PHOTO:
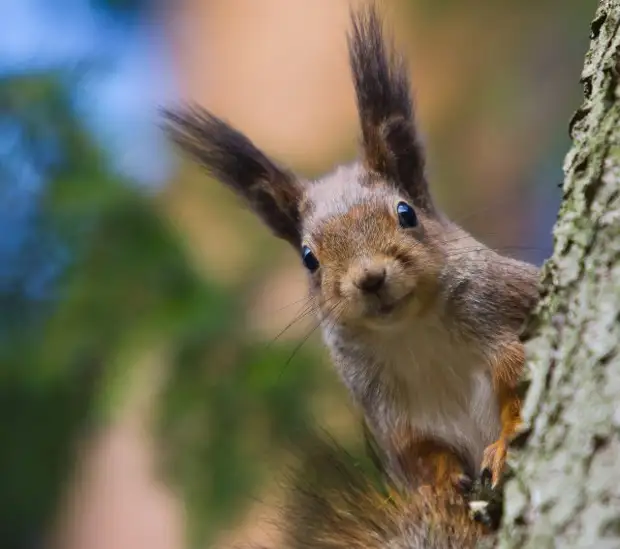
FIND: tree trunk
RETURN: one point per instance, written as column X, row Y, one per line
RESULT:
column 566, row 489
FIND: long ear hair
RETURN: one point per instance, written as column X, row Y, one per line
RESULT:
column 391, row 145
column 271, row 192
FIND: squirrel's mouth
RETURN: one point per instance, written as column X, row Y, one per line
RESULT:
column 388, row 307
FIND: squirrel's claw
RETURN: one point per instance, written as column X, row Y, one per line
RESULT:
column 493, row 462
column 486, row 477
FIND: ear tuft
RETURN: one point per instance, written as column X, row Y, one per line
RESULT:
column 271, row 192
column 390, row 141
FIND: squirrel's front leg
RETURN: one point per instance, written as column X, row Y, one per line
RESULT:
column 495, row 454
column 418, row 458
column 430, row 462
column 505, row 378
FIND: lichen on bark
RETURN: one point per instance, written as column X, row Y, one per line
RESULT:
column 566, row 486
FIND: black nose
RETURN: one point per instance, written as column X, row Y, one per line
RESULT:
column 371, row 281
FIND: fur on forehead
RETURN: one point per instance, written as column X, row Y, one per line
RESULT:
column 340, row 191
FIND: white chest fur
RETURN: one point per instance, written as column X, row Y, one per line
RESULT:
column 441, row 386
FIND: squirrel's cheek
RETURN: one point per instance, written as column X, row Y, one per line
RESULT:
column 347, row 288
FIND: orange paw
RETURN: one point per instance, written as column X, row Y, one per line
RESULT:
column 494, row 459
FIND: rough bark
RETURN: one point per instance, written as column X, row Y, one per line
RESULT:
column 566, row 489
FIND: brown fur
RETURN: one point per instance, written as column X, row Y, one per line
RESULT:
column 383, row 92
column 429, row 462
column 339, row 502
column 432, row 355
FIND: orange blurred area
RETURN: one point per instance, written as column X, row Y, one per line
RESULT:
column 495, row 84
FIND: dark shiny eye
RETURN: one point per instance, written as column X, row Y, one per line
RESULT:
column 309, row 259
column 406, row 215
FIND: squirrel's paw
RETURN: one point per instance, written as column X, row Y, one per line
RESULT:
column 486, row 503
column 493, row 461
column 486, row 500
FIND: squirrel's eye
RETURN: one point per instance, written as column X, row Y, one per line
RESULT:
column 309, row 259
column 406, row 216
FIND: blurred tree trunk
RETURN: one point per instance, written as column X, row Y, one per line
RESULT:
column 566, row 490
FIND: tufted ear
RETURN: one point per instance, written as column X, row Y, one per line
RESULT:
column 270, row 191
column 391, row 145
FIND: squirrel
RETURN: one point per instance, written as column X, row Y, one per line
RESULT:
column 422, row 321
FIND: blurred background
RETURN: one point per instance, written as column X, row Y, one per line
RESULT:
column 150, row 393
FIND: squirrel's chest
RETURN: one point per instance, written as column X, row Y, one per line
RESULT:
column 443, row 388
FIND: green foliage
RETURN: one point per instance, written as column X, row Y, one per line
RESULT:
column 226, row 407
column 226, row 403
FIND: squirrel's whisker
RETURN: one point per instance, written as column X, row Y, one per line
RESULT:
column 306, row 337
column 311, row 308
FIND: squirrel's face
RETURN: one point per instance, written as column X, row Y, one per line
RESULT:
column 372, row 256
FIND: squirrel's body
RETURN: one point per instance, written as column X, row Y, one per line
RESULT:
column 411, row 383
column 430, row 372
column 422, row 320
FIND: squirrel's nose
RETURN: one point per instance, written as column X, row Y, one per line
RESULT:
column 371, row 280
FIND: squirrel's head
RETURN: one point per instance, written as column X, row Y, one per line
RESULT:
column 368, row 234
column 373, row 254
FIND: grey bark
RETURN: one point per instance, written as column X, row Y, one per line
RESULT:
column 566, row 489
